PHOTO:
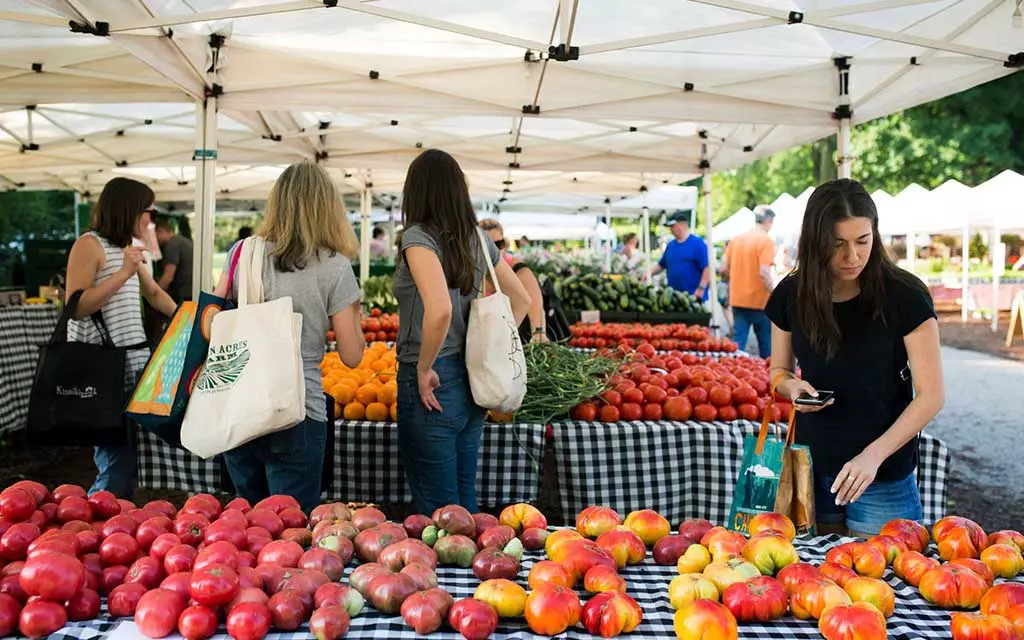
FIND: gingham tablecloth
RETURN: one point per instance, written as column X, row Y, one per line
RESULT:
column 366, row 465
column 683, row 469
column 22, row 330
column 647, row 583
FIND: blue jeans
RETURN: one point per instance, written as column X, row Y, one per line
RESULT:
column 881, row 502
column 743, row 320
column 116, row 468
column 288, row 462
column 440, row 449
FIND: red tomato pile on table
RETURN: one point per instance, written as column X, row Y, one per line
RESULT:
column 380, row 327
column 691, row 388
column 663, row 337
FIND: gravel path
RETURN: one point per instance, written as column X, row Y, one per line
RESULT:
column 982, row 423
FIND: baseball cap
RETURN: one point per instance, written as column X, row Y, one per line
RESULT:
column 677, row 216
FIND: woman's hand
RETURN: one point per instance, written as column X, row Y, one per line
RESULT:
column 133, row 259
column 855, row 477
column 428, row 381
column 793, row 388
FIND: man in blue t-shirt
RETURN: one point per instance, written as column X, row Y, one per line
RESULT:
column 685, row 258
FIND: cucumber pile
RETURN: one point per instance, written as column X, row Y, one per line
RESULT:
column 592, row 292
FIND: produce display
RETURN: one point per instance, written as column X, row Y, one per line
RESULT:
column 559, row 378
column 380, row 327
column 592, row 292
column 378, row 294
column 367, row 392
column 253, row 569
column 663, row 337
column 680, row 386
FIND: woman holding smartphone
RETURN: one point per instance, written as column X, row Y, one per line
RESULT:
column 858, row 325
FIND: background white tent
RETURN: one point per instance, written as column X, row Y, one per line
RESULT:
column 540, row 225
column 739, row 222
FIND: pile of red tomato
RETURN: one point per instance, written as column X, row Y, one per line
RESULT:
column 663, row 337
column 691, row 388
column 380, row 327
column 186, row 571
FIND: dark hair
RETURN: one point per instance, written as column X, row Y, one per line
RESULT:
column 119, row 208
column 244, row 232
column 830, row 203
column 436, row 197
column 629, row 237
column 163, row 224
column 378, row 232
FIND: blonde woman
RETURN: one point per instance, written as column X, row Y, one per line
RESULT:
column 309, row 249
column 534, row 328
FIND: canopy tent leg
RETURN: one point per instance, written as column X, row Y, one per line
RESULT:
column 705, row 185
column 77, row 205
column 843, row 113
column 608, row 239
column 965, row 259
column 998, row 251
column 645, row 236
column 365, row 200
column 205, row 157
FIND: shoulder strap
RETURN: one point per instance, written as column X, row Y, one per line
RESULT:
column 60, row 332
column 486, row 255
column 250, row 275
column 233, row 267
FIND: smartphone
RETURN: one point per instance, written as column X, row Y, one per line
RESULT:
column 811, row 401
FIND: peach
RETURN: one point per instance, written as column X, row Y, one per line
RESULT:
column 650, row 525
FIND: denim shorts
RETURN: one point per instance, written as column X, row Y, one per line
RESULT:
column 880, row 503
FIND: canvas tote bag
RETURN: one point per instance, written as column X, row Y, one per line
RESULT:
column 776, row 475
column 251, row 384
column 495, row 359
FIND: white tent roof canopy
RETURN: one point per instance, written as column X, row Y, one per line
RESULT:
column 505, row 86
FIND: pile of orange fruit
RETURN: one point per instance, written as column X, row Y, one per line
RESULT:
column 367, row 392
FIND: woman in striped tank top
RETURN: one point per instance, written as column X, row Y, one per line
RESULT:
column 111, row 272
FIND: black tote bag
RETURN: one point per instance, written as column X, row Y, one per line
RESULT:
column 78, row 395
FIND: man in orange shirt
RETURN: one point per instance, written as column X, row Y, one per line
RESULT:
column 748, row 263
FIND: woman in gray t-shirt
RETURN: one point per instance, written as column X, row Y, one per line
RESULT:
column 309, row 247
column 440, row 270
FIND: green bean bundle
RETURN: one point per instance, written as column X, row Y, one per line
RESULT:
column 559, row 378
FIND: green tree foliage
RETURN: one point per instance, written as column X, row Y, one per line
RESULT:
column 47, row 215
column 970, row 137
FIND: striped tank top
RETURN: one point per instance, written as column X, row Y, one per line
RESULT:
column 122, row 314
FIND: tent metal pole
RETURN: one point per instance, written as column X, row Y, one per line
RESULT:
column 645, row 237
column 78, row 203
column 365, row 199
column 608, row 238
column 998, row 263
column 205, row 157
column 705, row 183
column 843, row 155
column 965, row 259
column 843, row 113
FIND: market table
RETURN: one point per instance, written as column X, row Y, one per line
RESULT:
column 647, row 583
column 365, row 465
column 683, row 469
column 23, row 328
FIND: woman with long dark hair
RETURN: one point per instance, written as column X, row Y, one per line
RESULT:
column 112, row 273
column 859, row 326
column 440, row 270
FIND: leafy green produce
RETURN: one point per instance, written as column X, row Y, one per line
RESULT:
column 559, row 378
column 378, row 294
column 592, row 292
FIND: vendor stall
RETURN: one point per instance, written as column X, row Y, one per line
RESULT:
column 365, row 465
column 683, row 469
column 914, row 617
column 23, row 328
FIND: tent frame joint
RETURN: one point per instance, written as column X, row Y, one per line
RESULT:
column 795, row 17
column 563, row 53
column 1015, row 60
column 99, row 28
column 842, row 112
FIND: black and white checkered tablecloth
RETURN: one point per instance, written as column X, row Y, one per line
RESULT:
column 22, row 330
column 366, row 465
column 683, row 469
column 647, row 583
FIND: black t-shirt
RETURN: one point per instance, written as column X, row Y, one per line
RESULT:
column 866, row 375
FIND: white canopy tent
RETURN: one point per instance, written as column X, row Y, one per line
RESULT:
column 507, row 87
column 540, row 225
column 739, row 222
